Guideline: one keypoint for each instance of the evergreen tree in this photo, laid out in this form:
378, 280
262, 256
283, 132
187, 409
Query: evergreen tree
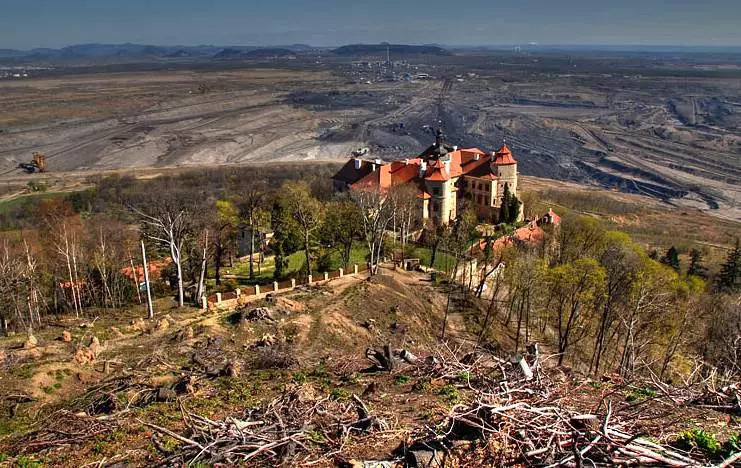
505, 209
730, 271
696, 268
514, 208
671, 258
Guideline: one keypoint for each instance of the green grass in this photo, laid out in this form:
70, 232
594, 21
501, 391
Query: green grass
27, 201
443, 261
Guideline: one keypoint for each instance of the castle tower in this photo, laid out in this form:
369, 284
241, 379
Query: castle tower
503, 164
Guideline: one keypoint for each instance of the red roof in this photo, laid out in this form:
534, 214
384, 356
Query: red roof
461, 162
504, 157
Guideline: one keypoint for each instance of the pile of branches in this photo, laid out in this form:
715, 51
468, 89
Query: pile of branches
59, 429
518, 416
275, 433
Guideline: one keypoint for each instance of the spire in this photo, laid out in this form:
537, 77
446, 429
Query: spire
439, 137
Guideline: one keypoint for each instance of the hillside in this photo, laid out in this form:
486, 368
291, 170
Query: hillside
296, 357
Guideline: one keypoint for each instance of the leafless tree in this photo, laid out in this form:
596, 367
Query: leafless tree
375, 216
167, 223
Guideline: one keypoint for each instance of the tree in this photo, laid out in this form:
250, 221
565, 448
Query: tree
225, 233
671, 259
621, 259
578, 237
696, 268
306, 211
253, 200
406, 210
575, 290
730, 271
505, 214
166, 221
376, 211
341, 228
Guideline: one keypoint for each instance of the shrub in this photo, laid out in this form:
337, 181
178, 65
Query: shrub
638, 394
451, 393
698, 439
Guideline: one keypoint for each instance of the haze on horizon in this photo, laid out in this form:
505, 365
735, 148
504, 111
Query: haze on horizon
26, 24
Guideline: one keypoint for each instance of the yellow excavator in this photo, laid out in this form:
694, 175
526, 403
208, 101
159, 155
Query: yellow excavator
37, 164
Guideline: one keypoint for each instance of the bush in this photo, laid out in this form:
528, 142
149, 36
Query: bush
698, 439
638, 394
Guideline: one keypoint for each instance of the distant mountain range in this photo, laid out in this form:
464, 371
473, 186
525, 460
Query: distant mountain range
110, 53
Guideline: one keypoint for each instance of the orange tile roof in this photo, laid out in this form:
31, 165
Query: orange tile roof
469, 161
503, 156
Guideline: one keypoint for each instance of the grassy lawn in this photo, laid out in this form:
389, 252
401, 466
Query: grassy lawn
358, 256
443, 261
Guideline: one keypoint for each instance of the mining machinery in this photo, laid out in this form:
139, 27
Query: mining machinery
37, 164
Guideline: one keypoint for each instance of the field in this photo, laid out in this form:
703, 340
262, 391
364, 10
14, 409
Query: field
663, 126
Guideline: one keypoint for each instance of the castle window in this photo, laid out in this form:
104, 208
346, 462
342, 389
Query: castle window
436, 191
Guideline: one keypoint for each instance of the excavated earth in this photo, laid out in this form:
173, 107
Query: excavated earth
673, 137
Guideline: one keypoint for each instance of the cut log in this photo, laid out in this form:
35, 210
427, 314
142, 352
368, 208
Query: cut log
408, 357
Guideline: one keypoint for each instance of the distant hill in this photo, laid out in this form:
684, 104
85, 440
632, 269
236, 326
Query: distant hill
111, 53
395, 49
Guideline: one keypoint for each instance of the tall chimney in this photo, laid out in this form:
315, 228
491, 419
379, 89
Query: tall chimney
358, 163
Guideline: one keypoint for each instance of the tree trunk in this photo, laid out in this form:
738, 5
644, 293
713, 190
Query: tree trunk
306, 251
202, 277
175, 251
252, 249
136, 278
219, 252
150, 309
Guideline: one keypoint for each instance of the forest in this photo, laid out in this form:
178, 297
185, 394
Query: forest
600, 300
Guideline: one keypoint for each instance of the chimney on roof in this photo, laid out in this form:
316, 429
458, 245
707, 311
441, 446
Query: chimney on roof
406, 162
358, 163
455, 148
373, 167
422, 168
476, 156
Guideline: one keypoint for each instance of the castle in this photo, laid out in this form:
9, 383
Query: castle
444, 176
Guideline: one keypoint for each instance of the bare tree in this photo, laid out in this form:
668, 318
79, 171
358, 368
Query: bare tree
407, 211
375, 216
167, 223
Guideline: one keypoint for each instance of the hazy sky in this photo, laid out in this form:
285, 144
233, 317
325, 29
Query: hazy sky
55, 23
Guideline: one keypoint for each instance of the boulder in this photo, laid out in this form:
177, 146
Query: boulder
66, 336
